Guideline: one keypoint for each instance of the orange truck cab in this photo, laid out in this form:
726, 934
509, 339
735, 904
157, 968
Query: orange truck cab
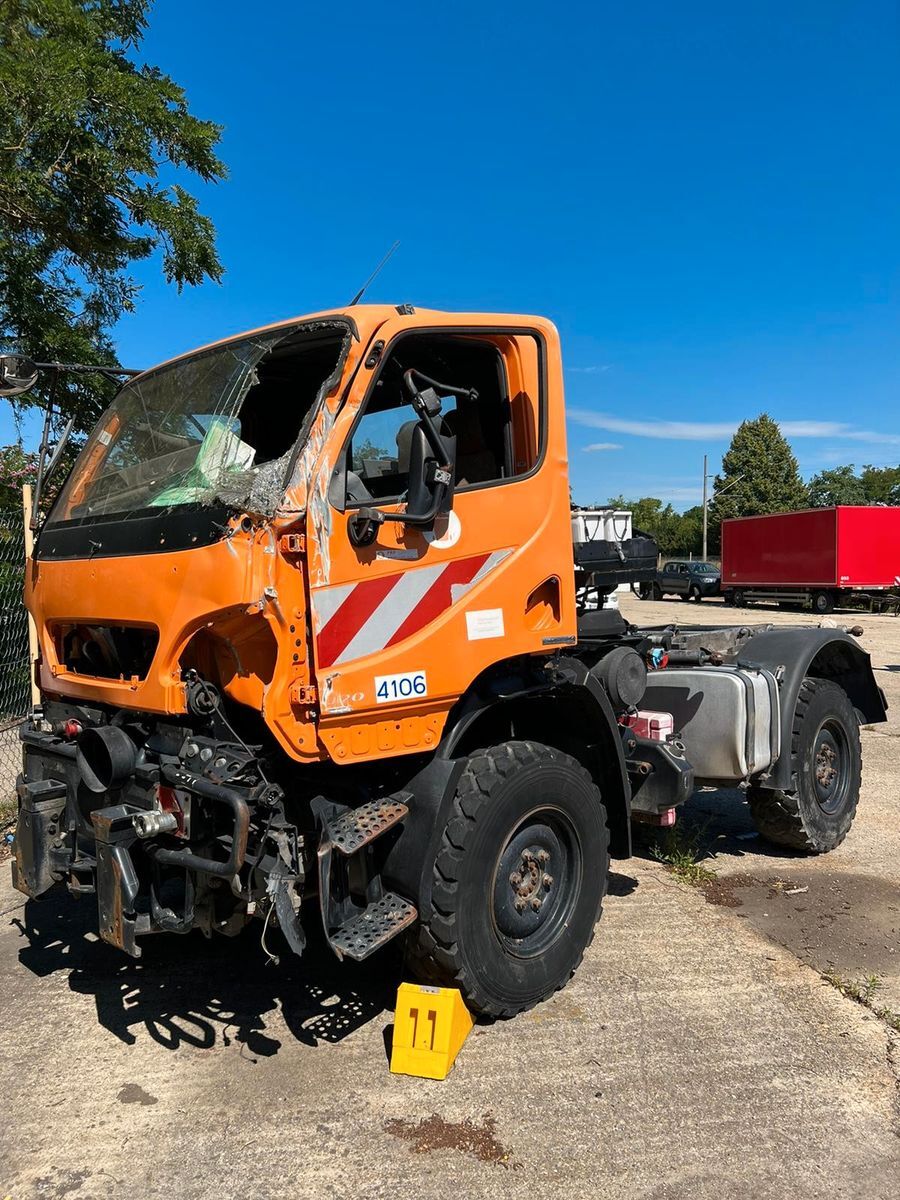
313, 633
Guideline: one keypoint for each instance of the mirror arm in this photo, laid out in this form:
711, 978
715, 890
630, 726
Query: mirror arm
364, 524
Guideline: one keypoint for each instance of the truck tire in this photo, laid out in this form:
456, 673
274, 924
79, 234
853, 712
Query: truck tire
825, 743
738, 599
523, 814
822, 603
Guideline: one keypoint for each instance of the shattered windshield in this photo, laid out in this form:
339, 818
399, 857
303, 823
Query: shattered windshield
218, 426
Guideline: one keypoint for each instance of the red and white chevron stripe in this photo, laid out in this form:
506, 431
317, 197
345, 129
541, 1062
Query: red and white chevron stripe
355, 619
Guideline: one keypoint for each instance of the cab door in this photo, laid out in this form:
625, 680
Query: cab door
402, 627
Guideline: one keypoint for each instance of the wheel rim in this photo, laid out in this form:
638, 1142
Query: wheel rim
536, 882
829, 766
821, 603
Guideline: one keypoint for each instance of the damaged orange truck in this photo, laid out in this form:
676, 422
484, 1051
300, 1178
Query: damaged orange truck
315, 644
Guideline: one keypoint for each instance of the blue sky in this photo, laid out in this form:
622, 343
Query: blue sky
704, 197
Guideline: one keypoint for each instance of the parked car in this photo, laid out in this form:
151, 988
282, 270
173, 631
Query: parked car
693, 580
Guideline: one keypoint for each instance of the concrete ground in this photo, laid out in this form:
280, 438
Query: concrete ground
698, 1052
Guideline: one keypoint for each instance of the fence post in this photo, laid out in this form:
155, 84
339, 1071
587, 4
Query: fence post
32, 628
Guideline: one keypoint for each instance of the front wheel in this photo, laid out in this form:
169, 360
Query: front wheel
826, 748
695, 594
518, 881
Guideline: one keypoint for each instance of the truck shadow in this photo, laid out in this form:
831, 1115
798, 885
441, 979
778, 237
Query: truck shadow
188, 991
714, 824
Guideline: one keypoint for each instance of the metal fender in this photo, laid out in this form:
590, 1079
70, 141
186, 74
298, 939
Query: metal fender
562, 706
794, 654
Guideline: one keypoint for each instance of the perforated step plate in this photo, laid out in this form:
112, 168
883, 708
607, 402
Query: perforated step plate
362, 825
377, 924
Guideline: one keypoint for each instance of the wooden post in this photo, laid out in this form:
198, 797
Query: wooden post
32, 628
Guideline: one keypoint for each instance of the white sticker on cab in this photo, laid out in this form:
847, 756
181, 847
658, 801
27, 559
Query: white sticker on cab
484, 623
400, 687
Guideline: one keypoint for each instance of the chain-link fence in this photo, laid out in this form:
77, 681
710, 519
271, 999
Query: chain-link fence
15, 687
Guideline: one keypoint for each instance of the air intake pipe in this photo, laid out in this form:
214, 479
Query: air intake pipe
106, 757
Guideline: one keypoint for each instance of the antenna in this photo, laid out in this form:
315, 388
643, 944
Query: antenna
362, 291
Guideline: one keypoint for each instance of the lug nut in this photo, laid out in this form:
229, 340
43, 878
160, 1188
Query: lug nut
543, 856
515, 879
536, 903
520, 904
547, 881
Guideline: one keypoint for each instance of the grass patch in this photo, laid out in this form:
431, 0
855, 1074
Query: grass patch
865, 992
680, 850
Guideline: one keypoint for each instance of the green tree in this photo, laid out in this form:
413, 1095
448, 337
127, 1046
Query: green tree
841, 485
880, 484
690, 531
650, 515
759, 475
85, 133
368, 450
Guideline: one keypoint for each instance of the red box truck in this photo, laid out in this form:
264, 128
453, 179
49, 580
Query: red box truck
817, 557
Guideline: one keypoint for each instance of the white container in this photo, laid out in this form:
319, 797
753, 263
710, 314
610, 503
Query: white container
601, 525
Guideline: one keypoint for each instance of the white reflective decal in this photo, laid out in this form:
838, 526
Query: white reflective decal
484, 623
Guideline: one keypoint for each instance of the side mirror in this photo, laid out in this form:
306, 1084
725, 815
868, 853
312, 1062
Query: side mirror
430, 491
18, 374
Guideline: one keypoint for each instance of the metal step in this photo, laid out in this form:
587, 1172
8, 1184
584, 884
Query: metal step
355, 829
375, 925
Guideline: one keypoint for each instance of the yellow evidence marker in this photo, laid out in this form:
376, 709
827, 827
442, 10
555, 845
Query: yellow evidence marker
430, 1026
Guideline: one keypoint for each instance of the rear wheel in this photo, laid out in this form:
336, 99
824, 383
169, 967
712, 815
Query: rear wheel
826, 747
739, 600
822, 602
518, 881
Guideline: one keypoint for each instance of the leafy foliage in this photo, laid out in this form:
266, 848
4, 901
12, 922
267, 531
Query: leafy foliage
673, 532
881, 484
837, 486
84, 134
874, 485
759, 475
17, 467
367, 450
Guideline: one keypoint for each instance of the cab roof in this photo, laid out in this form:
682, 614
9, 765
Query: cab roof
362, 320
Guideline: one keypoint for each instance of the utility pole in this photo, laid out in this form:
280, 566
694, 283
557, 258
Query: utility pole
706, 498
